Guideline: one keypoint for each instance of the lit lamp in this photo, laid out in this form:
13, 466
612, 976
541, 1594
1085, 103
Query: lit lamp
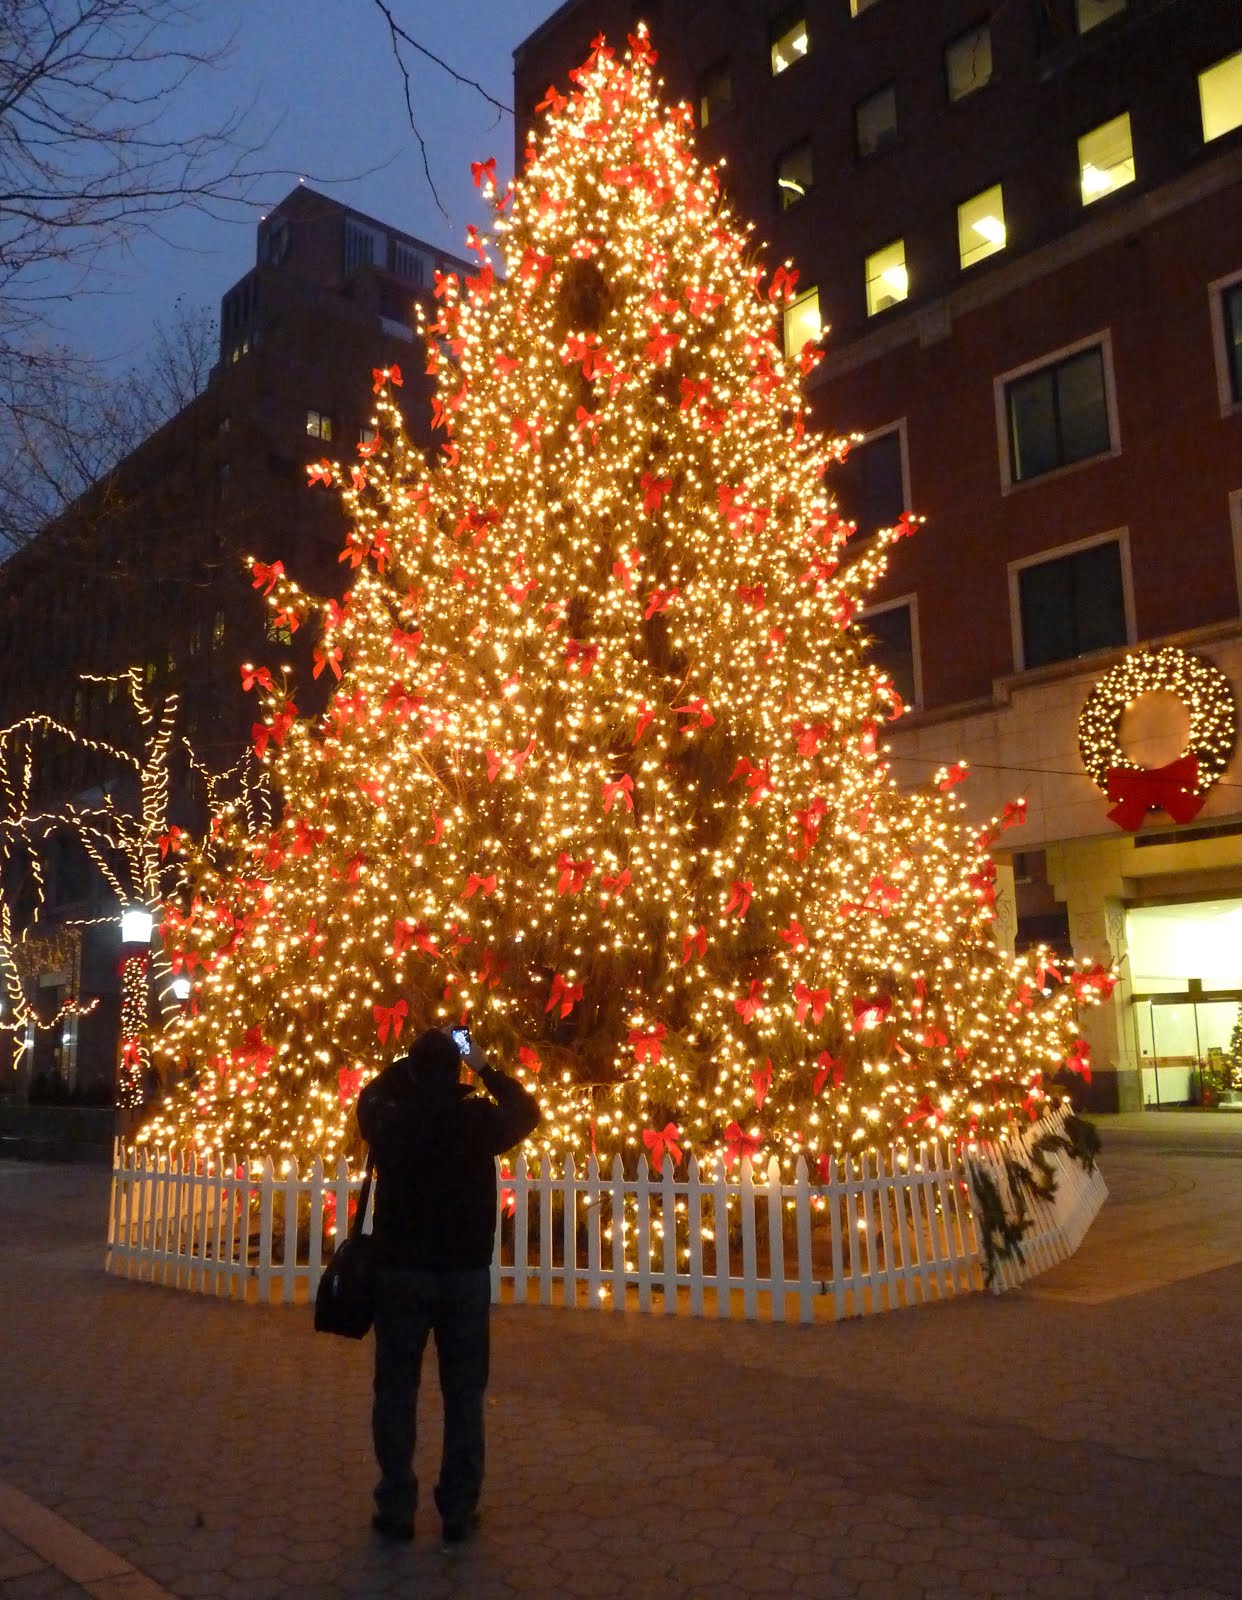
136, 925
181, 986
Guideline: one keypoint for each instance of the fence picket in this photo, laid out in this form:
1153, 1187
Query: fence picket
694, 1223
569, 1283
617, 1198
292, 1194
835, 1206
720, 1228
642, 1234
264, 1270
546, 1257
593, 1203
802, 1224
314, 1245
521, 1229
668, 1221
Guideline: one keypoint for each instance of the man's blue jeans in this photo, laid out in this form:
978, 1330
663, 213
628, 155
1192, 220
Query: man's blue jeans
409, 1305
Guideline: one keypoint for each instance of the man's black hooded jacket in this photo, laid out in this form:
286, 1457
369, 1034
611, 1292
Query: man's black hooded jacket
435, 1142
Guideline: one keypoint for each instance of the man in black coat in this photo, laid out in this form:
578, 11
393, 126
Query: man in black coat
435, 1143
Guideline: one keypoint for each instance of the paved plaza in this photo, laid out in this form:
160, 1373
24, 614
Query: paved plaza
1081, 1437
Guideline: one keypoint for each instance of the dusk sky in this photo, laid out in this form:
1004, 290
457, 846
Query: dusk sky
329, 86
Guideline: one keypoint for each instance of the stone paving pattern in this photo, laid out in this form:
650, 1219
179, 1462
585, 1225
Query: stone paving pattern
1079, 1438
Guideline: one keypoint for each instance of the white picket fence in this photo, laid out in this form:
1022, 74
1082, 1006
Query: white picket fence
876, 1235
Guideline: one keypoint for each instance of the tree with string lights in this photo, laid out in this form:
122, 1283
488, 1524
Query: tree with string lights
603, 769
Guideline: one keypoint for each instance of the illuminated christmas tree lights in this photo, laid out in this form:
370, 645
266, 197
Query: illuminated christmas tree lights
603, 769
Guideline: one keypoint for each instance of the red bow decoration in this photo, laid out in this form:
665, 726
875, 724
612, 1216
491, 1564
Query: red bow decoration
647, 1046
586, 419
1079, 1060
762, 1080
810, 735
740, 896
264, 577
565, 995
328, 658
390, 1017
529, 1059
612, 885
812, 1000
701, 301
552, 101
622, 789
1044, 971
1094, 980
784, 282
658, 600
131, 1053
661, 1143
318, 472
926, 1112
484, 173
794, 935
748, 1006
654, 489
474, 882
640, 45
573, 874
348, 1083
251, 675
871, 1010
580, 657
954, 775
645, 718
253, 1052
170, 842
382, 375
696, 939
660, 345
534, 264
696, 709
525, 433
828, 1067
1013, 815
740, 1146
1171, 788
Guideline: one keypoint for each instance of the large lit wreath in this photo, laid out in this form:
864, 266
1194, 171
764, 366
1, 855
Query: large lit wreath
1180, 787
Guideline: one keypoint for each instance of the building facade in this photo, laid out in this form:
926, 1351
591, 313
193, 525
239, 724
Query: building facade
1018, 230
148, 568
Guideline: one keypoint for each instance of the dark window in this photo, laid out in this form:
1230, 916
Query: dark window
1231, 304
869, 485
968, 61
875, 121
1057, 415
892, 647
795, 176
715, 93
1089, 14
1072, 605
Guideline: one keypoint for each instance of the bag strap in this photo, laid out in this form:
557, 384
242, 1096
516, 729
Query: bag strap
364, 1195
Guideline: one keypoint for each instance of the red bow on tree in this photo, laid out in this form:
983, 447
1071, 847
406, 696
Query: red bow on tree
694, 940
253, 1052
812, 1000
740, 1146
328, 658
1170, 788
348, 1083
1079, 1060
654, 489
926, 1112
622, 789
565, 995
1095, 980
827, 1067
647, 1046
552, 101
612, 885
484, 173
740, 896
762, 1080
580, 657
318, 472
794, 935
645, 718
474, 881
573, 874
953, 775
529, 1059
871, 1010
382, 375
252, 676
170, 842
697, 710
748, 1006
784, 283
1013, 815
661, 1143
390, 1017
264, 577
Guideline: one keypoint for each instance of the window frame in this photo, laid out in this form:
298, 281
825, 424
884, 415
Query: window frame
889, 88
800, 299
1217, 290
806, 144
1000, 385
1113, 189
996, 249
1118, 536
908, 602
721, 68
1100, 22
868, 258
781, 26
984, 25
1235, 523
897, 426
1212, 66
320, 419
859, 8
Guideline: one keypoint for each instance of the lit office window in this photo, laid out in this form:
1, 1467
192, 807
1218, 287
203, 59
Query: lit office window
888, 282
319, 425
715, 93
795, 176
981, 226
790, 42
802, 323
968, 61
1090, 13
857, 7
875, 121
1106, 159
1220, 97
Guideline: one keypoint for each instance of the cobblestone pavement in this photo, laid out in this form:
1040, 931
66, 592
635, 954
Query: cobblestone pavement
1079, 1438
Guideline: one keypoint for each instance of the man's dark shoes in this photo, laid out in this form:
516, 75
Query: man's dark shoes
458, 1530
390, 1527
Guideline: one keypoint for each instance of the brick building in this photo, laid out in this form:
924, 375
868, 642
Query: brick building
147, 568
1022, 225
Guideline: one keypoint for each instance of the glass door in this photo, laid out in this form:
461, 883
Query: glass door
1183, 1047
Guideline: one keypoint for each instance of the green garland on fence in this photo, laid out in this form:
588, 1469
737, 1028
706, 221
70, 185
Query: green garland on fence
1000, 1231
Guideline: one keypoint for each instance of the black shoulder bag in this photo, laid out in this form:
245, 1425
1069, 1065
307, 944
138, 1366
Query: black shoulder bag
345, 1299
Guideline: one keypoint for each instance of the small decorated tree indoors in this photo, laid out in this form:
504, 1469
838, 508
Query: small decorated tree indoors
603, 770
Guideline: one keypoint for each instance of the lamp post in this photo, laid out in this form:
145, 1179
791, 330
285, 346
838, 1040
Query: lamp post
136, 925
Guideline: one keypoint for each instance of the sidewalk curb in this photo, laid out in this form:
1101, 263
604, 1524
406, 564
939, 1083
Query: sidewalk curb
80, 1558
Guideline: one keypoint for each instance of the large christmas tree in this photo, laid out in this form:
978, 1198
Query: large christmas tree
604, 771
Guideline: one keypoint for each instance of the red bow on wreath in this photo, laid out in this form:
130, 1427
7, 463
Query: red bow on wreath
1136, 791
